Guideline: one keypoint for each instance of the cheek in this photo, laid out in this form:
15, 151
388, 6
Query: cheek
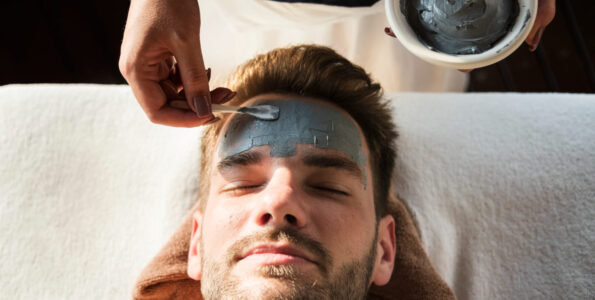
221, 226
342, 230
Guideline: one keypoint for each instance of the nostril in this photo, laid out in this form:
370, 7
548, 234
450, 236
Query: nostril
265, 218
291, 219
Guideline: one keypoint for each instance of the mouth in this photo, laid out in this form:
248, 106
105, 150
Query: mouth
276, 254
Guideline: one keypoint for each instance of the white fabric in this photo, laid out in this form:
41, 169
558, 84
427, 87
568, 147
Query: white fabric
233, 31
502, 187
89, 190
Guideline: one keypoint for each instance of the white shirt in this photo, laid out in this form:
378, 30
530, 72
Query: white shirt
233, 31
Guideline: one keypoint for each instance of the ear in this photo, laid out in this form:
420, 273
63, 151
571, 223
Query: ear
385, 251
194, 263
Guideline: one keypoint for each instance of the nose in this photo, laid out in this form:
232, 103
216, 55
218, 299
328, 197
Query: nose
280, 205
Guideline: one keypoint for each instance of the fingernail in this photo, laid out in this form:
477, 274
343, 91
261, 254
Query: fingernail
208, 74
389, 31
229, 96
202, 106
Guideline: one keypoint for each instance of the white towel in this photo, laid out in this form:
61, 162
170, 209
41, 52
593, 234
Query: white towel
89, 189
503, 188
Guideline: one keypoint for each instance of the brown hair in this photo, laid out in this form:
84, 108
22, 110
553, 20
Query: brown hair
317, 72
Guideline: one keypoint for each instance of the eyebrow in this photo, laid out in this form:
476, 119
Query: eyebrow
246, 158
334, 161
251, 157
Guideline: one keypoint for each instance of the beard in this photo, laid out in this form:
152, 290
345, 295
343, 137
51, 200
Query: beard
285, 282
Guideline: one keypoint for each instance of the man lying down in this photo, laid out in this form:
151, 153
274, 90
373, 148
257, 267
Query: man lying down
297, 207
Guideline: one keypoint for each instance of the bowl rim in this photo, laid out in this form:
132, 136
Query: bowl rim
503, 48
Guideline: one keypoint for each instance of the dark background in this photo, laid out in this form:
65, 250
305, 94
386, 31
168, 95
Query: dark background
79, 42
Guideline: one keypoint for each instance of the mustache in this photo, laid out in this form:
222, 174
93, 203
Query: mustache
285, 234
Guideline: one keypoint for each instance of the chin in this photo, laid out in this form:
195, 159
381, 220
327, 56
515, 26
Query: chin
280, 282
268, 288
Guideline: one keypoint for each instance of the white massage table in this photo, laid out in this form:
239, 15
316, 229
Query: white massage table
502, 187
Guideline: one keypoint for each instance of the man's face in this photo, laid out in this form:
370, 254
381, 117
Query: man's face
290, 211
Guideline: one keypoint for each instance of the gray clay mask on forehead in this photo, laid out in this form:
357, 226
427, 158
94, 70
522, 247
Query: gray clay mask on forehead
300, 122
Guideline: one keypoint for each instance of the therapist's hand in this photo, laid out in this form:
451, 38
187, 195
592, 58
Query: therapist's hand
546, 10
157, 33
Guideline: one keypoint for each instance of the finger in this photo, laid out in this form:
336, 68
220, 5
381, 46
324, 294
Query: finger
194, 76
546, 11
534, 37
179, 104
531, 37
143, 78
163, 69
536, 40
203, 108
166, 115
221, 95
174, 76
152, 98
180, 118
545, 14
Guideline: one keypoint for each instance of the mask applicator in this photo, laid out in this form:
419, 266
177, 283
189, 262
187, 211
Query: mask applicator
262, 112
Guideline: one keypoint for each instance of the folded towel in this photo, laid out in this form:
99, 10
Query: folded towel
413, 276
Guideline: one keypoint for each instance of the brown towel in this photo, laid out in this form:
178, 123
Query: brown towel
413, 277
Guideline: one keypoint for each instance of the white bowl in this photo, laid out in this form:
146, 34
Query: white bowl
500, 50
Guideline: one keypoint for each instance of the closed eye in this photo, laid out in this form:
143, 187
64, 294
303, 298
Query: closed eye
330, 190
239, 190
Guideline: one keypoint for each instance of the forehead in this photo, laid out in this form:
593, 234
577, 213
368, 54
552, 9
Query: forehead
301, 121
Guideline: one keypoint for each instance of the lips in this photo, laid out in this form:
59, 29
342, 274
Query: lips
276, 254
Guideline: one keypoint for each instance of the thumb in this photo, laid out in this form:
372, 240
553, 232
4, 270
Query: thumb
194, 78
